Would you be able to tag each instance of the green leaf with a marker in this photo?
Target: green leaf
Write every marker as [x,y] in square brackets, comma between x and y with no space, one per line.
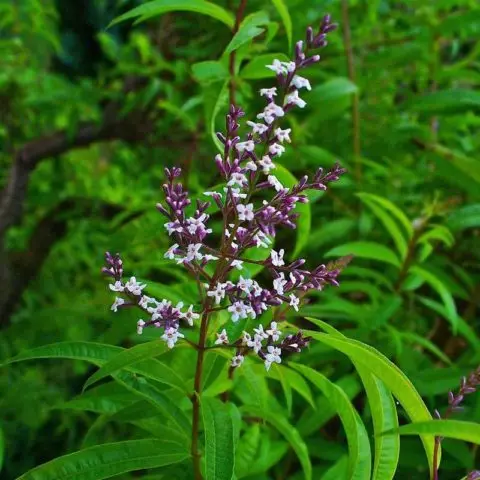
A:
[457,429]
[393,378]
[357,436]
[249,28]
[288,431]
[282,10]
[304,221]
[370,250]
[219,439]
[467,216]
[425,343]
[247,450]
[447,101]
[256,68]
[332,98]
[108,460]
[222,100]
[443,291]
[157,7]
[338,470]
[209,71]
[163,373]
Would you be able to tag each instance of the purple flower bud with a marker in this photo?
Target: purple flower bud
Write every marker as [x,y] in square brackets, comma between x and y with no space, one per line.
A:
[221,137]
[309,36]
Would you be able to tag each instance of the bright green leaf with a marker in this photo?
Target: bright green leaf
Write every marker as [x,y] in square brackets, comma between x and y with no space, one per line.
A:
[370,250]
[256,68]
[249,29]
[282,9]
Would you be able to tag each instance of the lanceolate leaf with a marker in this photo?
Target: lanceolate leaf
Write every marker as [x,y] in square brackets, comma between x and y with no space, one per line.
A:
[457,429]
[393,378]
[357,436]
[249,29]
[370,250]
[282,9]
[219,439]
[290,434]
[157,7]
[108,460]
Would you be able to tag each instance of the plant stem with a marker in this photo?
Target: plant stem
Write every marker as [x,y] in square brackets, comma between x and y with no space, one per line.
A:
[231,67]
[347,41]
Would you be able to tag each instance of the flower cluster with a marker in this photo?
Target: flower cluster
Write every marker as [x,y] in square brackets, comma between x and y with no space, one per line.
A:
[253,204]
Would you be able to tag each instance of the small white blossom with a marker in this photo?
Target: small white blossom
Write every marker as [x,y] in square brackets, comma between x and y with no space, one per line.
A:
[274,332]
[270,112]
[134,287]
[259,128]
[245,284]
[170,253]
[193,253]
[273,356]
[251,165]
[213,194]
[195,223]
[277,66]
[295,99]
[209,257]
[218,292]
[246,338]
[283,135]
[189,315]
[261,240]
[259,332]
[294,302]
[117,286]
[268,92]
[237,178]
[145,300]
[236,193]
[277,258]
[279,284]
[239,310]
[256,343]
[249,146]
[222,338]
[301,82]
[274,182]
[245,212]
[290,66]
[171,336]
[267,164]
[140,325]
[237,360]
[173,227]
[238,264]
[276,149]
[117,303]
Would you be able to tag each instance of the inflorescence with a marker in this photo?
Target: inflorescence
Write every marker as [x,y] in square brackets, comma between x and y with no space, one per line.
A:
[247,167]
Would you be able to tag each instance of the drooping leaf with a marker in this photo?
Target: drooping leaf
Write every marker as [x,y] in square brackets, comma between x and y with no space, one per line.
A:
[219,439]
[370,250]
[158,7]
[108,460]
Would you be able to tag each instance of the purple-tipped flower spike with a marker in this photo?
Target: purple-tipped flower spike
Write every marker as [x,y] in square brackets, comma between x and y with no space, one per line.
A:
[247,166]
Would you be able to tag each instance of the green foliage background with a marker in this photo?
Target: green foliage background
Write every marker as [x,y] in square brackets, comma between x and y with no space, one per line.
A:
[409,209]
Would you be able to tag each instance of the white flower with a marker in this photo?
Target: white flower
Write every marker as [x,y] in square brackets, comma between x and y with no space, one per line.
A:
[268,92]
[294,302]
[195,223]
[170,253]
[144,301]
[249,146]
[274,182]
[256,343]
[171,336]
[235,192]
[251,165]
[246,338]
[279,283]
[238,310]
[295,99]
[277,258]
[173,227]
[237,178]
[209,257]
[267,164]
[274,332]
[222,338]
[290,66]
[259,332]
[245,284]
[212,194]
[259,128]
[273,356]
[277,66]
[270,112]
[238,264]
[261,240]
[118,301]
[245,212]
[218,292]
[283,135]
[117,286]
[276,149]
[193,252]
[237,360]
[134,287]
[140,325]
[301,82]
[190,315]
